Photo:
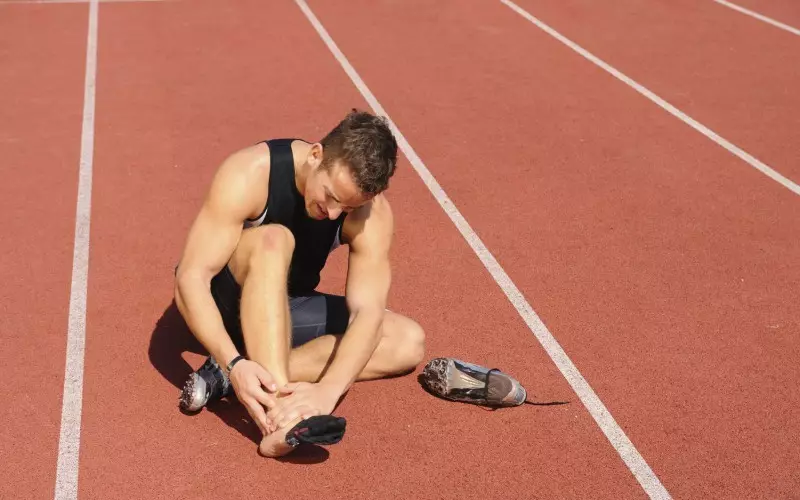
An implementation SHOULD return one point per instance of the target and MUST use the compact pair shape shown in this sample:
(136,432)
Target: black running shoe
(209,383)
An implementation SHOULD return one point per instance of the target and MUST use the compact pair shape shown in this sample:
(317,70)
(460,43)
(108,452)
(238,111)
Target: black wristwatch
(233,362)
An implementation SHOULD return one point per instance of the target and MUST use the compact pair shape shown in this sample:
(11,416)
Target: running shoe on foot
(209,383)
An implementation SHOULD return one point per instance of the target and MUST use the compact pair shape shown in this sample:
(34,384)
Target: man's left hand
(304,400)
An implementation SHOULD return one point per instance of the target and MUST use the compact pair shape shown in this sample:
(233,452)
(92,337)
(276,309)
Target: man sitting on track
(246,280)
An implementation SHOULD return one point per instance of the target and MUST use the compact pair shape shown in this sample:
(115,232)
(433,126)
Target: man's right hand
(249,379)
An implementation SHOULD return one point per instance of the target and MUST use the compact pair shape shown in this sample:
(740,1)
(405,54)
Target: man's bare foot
(275,445)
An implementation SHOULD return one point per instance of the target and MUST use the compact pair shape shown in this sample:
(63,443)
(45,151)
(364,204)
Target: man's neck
(301,168)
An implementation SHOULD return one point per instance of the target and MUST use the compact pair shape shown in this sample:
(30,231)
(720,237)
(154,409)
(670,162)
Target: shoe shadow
(170,339)
(305,454)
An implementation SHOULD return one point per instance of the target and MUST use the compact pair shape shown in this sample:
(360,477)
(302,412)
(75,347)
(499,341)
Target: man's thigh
(312,315)
(317,314)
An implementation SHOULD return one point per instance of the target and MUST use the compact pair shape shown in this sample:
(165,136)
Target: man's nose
(334,213)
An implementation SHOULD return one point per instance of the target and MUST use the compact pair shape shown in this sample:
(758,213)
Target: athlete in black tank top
(238,254)
(314,239)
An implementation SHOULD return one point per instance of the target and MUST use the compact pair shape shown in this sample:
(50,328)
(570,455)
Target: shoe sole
(441,369)
(444,378)
(193,396)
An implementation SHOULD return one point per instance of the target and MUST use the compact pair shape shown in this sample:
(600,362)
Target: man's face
(329,192)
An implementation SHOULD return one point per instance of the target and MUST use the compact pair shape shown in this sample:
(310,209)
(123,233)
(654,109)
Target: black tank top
(314,239)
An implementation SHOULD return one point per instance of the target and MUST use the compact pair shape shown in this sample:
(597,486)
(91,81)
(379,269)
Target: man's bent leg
(260,265)
(319,321)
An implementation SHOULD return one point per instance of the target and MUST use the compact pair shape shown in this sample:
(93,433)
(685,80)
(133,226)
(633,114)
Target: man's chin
(314,212)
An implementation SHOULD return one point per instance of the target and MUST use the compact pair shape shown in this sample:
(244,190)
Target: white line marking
(77,1)
(661,102)
(69,440)
(613,432)
(760,17)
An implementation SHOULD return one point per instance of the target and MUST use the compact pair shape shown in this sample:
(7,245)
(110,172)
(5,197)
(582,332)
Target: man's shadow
(170,339)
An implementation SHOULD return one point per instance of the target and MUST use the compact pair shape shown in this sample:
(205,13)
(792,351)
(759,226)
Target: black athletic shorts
(312,315)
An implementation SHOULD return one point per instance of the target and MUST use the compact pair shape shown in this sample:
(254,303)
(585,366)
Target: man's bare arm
(367,291)
(211,241)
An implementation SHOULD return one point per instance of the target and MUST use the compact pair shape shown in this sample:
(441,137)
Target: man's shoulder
(248,161)
(242,179)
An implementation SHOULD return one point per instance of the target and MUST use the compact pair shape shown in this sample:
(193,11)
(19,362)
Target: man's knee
(259,247)
(276,238)
(272,240)
(410,338)
(415,336)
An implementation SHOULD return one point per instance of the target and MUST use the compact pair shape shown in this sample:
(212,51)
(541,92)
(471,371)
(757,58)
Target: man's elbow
(179,282)
(186,280)
(178,288)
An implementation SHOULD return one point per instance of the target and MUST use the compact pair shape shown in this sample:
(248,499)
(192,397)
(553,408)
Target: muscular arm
(368,283)
(210,243)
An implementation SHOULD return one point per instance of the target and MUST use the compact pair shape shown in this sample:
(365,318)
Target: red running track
(783,11)
(41,79)
(163,126)
(664,265)
(735,74)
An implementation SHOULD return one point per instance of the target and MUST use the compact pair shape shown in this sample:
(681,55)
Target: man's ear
(315,155)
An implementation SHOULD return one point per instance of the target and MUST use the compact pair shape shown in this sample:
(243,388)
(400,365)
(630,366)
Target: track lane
(783,11)
(722,68)
(664,266)
(40,126)
(180,88)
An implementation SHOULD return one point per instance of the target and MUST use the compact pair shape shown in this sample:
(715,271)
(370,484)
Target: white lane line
(755,163)
(12,2)
(760,17)
(66,487)
(596,408)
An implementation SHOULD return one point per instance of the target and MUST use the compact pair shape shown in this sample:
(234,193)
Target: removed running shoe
(458,380)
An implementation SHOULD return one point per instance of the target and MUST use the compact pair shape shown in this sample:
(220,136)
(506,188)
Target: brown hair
(364,143)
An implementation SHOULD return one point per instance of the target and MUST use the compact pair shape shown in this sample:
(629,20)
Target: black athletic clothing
(312,313)
(314,239)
